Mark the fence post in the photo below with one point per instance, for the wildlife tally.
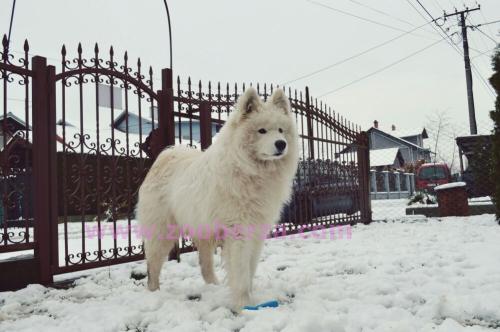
(412, 178)
(386, 184)
(310, 130)
(44, 134)
(166, 118)
(363, 156)
(205, 125)
(398, 183)
(166, 127)
(408, 185)
(373, 176)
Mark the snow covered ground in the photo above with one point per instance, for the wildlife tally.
(413, 274)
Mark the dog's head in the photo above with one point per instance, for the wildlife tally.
(266, 130)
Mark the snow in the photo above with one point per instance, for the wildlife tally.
(383, 157)
(450, 185)
(411, 274)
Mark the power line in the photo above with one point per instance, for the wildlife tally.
(452, 44)
(354, 56)
(481, 37)
(11, 20)
(485, 34)
(438, 5)
(381, 12)
(488, 23)
(383, 68)
(356, 16)
(484, 53)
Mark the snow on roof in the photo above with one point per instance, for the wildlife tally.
(433, 164)
(405, 133)
(450, 185)
(383, 157)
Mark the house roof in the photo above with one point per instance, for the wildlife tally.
(409, 133)
(470, 144)
(132, 117)
(11, 116)
(384, 157)
(398, 139)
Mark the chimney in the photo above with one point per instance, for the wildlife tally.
(375, 124)
(393, 128)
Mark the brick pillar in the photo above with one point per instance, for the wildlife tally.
(452, 201)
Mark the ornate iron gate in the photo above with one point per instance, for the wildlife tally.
(98, 124)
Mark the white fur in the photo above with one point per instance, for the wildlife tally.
(239, 180)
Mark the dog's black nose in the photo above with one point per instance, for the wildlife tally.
(280, 145)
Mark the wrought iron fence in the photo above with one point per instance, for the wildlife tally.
(98, 125)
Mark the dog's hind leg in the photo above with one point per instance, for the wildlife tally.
(206, 250)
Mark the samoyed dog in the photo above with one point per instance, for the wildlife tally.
(239, 184)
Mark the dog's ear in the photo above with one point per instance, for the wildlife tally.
(280, 100)
(249, 102)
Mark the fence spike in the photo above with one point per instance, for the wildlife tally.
(139, 64)
(96, 48)
(79, 49)
(63, 50)
(111, 51)
(5, 42)
(125, 56)
(26, 45)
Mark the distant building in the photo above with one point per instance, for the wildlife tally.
(184, 129)
(409, 144)
(11, 124)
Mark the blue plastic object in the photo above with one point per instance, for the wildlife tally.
(269, 304)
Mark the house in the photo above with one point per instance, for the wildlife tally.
(184, 129)
(382, 159)
(11, 124)
(410, 144)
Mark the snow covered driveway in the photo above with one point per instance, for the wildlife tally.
(408, 275)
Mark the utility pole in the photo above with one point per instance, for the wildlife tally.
(468, 72)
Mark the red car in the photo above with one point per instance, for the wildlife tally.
(432, 175)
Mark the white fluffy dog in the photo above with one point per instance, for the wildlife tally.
(242, 180)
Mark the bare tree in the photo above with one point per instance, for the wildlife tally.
(442, 134)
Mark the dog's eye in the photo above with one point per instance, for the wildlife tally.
(262, 131)
(280, 130)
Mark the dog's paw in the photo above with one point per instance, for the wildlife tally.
(212, 281)
(153, 286)
(240, 301)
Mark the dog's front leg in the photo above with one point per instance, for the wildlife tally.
(254, 259)
(237, 256)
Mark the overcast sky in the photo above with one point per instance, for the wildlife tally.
(276, 41)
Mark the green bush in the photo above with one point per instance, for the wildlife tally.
(495, 116)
